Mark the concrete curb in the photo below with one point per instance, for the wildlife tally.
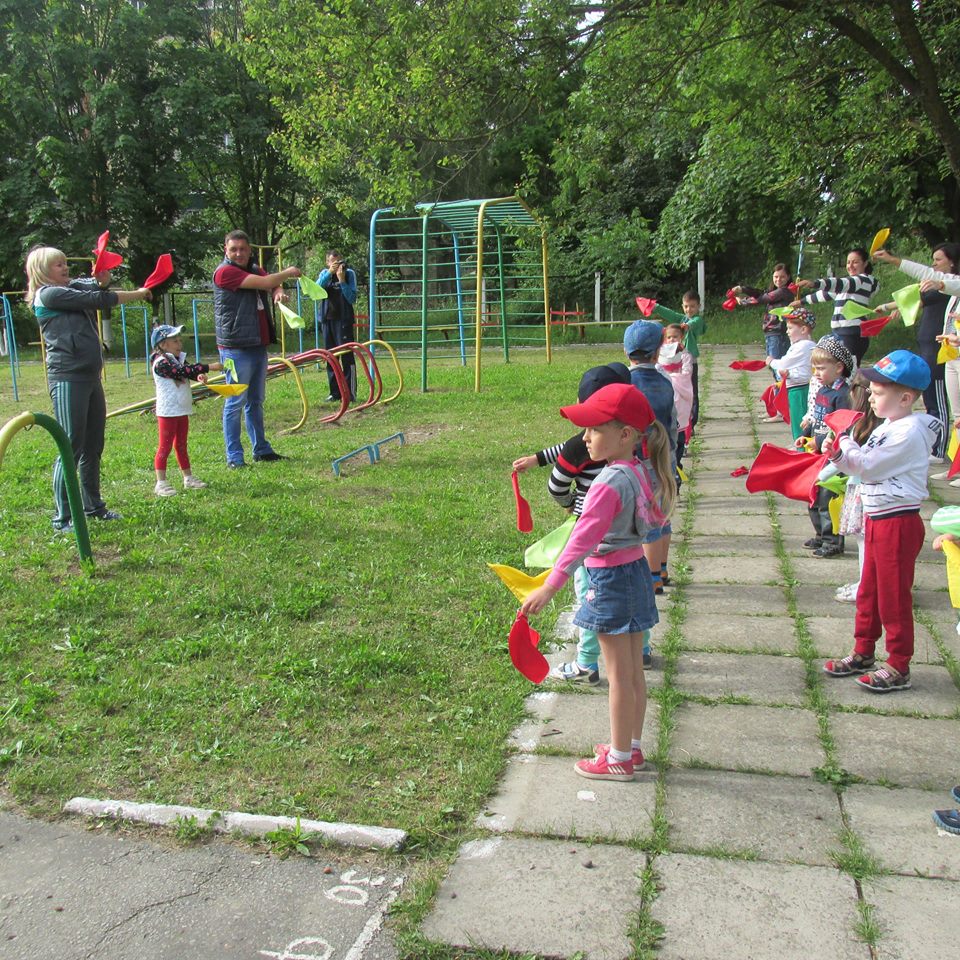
(249, 824)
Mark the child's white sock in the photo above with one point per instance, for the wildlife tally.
(634, 744)
(615, 756)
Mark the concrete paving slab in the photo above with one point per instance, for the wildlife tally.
(721, 486)
(774, 818)
(736, 569)
(71, 893)
(721, 545)
(765, 910)
(760, 678)
(898, 750)
(734, 632)
(544, 795)
(747, 738)
(896, 827)
(793, 520)
(538, 896)
(742, 505)
(732, 523)
(817, 600)
(568, 654)
(833, 572)
(573, 724)
(833, 636)
(933, 694)
(720, 599)
(915, 915)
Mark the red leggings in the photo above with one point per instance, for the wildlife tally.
(173, 433)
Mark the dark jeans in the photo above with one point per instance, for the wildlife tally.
(335, 333)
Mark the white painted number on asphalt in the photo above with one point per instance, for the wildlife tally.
(351, 892)
(312, 942)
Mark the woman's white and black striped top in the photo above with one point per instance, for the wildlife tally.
(859, 289)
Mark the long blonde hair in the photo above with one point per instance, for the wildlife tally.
(658, 451)
(38, 263)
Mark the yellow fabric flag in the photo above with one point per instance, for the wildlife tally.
(835, 506)
(954, 446)
(951, 550)
(520, 584)
(879, 240)
(947, 353)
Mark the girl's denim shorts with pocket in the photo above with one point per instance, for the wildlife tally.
(618, 599)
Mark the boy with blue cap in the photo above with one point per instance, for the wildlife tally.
(892, 466)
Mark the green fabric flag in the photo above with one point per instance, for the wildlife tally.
(947, 520)
(312, 289)
(853, 311)
(294, 320)
(835, 484)
(907, 300)
(544, 552)
(781, 311)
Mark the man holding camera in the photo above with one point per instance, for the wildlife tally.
(337, 318)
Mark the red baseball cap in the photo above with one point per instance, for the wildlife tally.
(617, 401)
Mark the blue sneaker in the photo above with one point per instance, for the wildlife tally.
(955, 793)
(948, 820)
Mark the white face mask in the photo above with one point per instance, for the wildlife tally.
(669, 350)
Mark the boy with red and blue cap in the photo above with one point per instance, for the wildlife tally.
(892, 465)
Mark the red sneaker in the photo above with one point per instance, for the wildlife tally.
(601, 749)
(597, 768)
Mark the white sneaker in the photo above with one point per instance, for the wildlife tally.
(164, 489)
(847, 593)
(192, 483)
(776, 418)
(955, 483)
(941, 475)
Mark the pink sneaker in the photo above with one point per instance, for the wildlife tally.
(601, 749)
(597, 768)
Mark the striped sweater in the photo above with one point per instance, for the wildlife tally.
(859, 289)
(573, 472)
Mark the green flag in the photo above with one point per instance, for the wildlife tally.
(907, 300)
(312, 289)
(544, 552)
(835, 484)
(294, 320)
(853, 311)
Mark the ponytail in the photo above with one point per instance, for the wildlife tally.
(658, 450)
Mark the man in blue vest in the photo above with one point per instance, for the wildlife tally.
(245, 328)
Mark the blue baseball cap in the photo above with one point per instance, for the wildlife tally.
(901, 367)
(163, 332)
(642, 336)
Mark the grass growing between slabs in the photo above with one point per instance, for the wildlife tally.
(282, 642)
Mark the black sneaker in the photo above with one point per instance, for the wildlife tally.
(948, 820)
(108, 515)
(829, 550)
(269, 457)
(814, 543)
(955, 793)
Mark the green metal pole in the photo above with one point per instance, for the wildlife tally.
(424, 290)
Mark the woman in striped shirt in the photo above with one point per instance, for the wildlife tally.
(859, 286)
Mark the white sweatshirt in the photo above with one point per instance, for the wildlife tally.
(795, 363)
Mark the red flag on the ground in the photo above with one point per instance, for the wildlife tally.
(524, 653)
(752, 365)
(105, 260)
(524, 517)
(739, 472)
(791, 473)
(161, 272)
(870, 328)
(645, 305)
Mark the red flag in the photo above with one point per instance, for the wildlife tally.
(730, 303)
(955, 466)
(105, 260)
(781, 400)
(870, 328)
(645, 305)
(161, 272)
(768, 400)
(791, 473)
(841, 420)
(752, 365)
(739, 472)
(524, 517)
(793, 288)
(524, 653)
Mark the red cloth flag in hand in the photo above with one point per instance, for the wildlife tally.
(841, 420)
(161, 272)
(776, 400)
(791, 473)
(752, 365)
(524, 653)
(955, 466)
(105, 260)
(524, 517)
(870, 328)
(731, 302)
(645, 305)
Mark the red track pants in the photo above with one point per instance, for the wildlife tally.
(885, 598)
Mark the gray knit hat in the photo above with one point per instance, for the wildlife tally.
(835, 347)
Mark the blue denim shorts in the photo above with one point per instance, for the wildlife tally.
(618, 599)
(657, 532)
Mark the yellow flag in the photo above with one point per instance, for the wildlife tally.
(879, 240)
(947, 353)
(517, 582)
(951, 550)
(682, 475)
(954, 446)
(835, 506)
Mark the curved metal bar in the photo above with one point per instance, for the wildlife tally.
(26, 420)
(299, 381)
(396, 366)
